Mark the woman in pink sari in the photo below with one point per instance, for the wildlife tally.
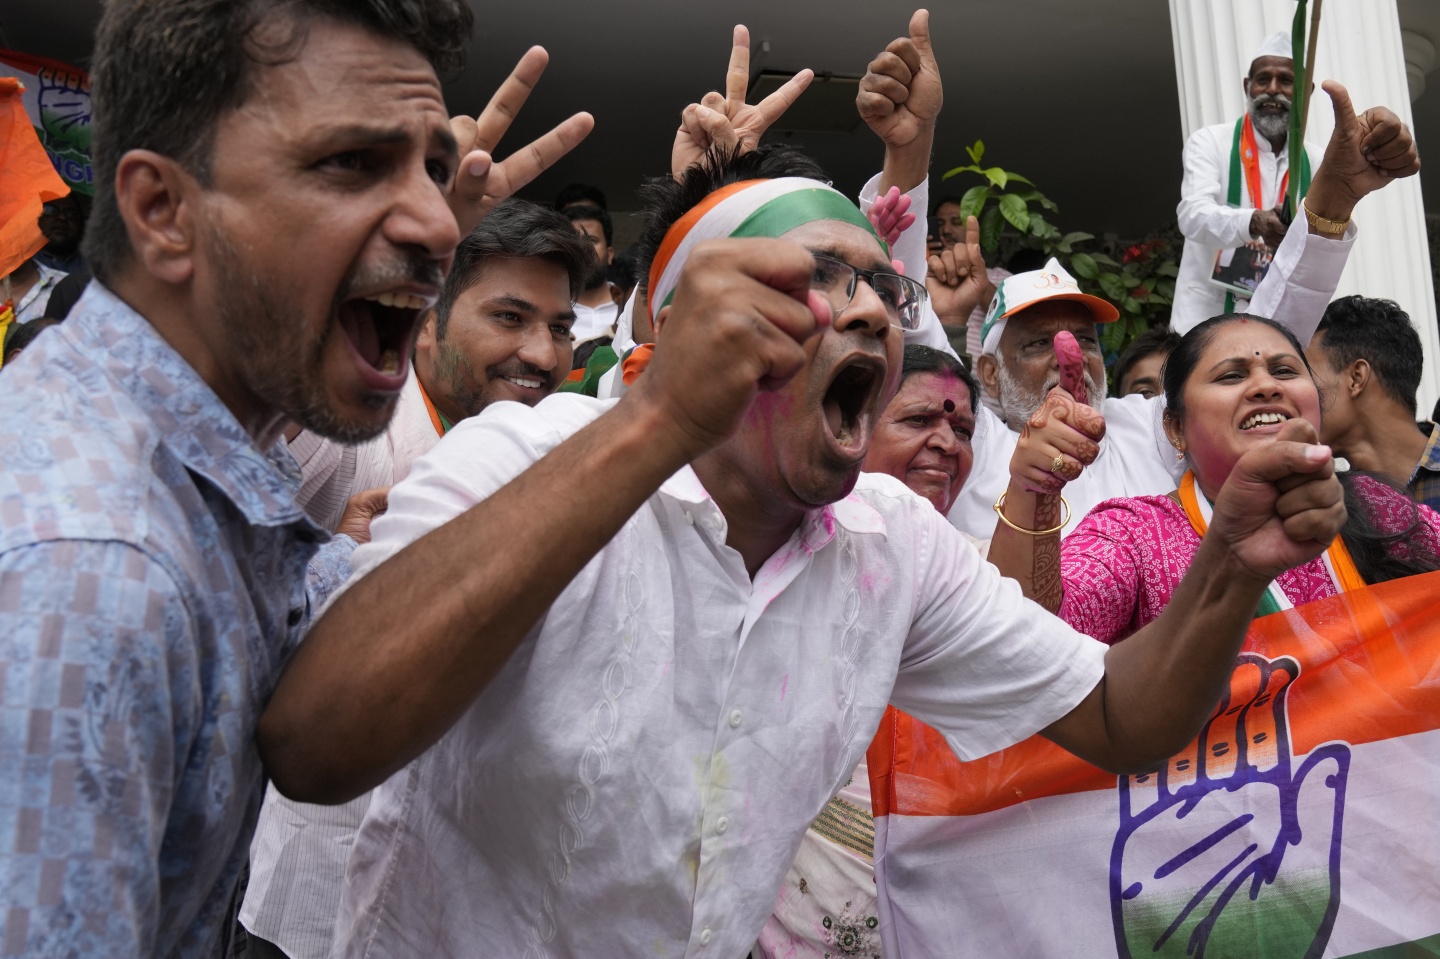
(1233, 383)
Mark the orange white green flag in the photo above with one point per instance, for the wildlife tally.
(1303, 822)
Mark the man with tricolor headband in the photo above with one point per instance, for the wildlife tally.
(1236, 176)
(634, 769)
(1018, 366)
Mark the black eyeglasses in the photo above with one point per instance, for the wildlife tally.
(902, 297)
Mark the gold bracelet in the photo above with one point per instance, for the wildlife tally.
(1323, 225)
(1000, 511)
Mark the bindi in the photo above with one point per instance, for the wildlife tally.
(950, 404)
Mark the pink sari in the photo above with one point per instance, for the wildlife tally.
(1122, 563)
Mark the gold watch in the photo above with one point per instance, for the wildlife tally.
(1334, 228)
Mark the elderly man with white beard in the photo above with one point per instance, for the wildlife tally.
(1018, 366)
(1236, 176)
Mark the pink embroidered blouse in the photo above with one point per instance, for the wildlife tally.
(1122, 563)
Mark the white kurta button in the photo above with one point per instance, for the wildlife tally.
(722, 824)
(735, 719)
(705, 936)
(690, 517)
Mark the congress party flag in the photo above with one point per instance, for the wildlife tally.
(57, 99)
(1303, 822)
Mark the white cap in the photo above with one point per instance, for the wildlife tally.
(1023, 290)
(1275, 45)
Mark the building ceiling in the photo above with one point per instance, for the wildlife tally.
(1080, 98)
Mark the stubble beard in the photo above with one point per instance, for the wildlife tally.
(1018, 402)
(280, 360)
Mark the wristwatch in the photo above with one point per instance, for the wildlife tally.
(1333, 228)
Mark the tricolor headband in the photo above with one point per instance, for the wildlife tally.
(749, 208)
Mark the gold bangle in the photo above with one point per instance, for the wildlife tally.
(1324, 225)
(1000, 511)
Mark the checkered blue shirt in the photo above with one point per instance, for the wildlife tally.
(153, 580)
(1425, 481)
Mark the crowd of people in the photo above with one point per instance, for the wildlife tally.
(311, 645)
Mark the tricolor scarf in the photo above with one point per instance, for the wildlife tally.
(750, 208)
(439, 420)
(1337, 558)
(1245, 158)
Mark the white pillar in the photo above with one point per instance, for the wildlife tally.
(1360, 45)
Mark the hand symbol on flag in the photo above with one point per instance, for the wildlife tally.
(1229, 850)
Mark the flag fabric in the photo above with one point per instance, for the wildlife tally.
(29, 181)
(1304, 821)
(56, 97)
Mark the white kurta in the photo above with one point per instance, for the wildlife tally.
(1135, 457)
(1210, 224)
(637, 778)
(298, 854)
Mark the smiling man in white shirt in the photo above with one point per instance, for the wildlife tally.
(500, 331)
(636, 776)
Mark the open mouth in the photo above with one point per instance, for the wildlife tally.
(1263, 419)
(848, 402)
(380, 328)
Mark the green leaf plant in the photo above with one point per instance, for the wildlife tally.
(1012, 210)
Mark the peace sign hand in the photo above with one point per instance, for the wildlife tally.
(728, 121)
(480, 183)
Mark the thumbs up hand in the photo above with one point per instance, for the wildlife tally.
(1365, 153)
(901, 94)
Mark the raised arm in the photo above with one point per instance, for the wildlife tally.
(900, 99)
(1281, 507)
(403, 652)
(1365, 153)
(1060, 439)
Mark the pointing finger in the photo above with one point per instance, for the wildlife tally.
(737, 77)
(505, 105)
(535, 158)
(774, 106)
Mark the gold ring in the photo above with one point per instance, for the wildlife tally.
(1058, 464)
